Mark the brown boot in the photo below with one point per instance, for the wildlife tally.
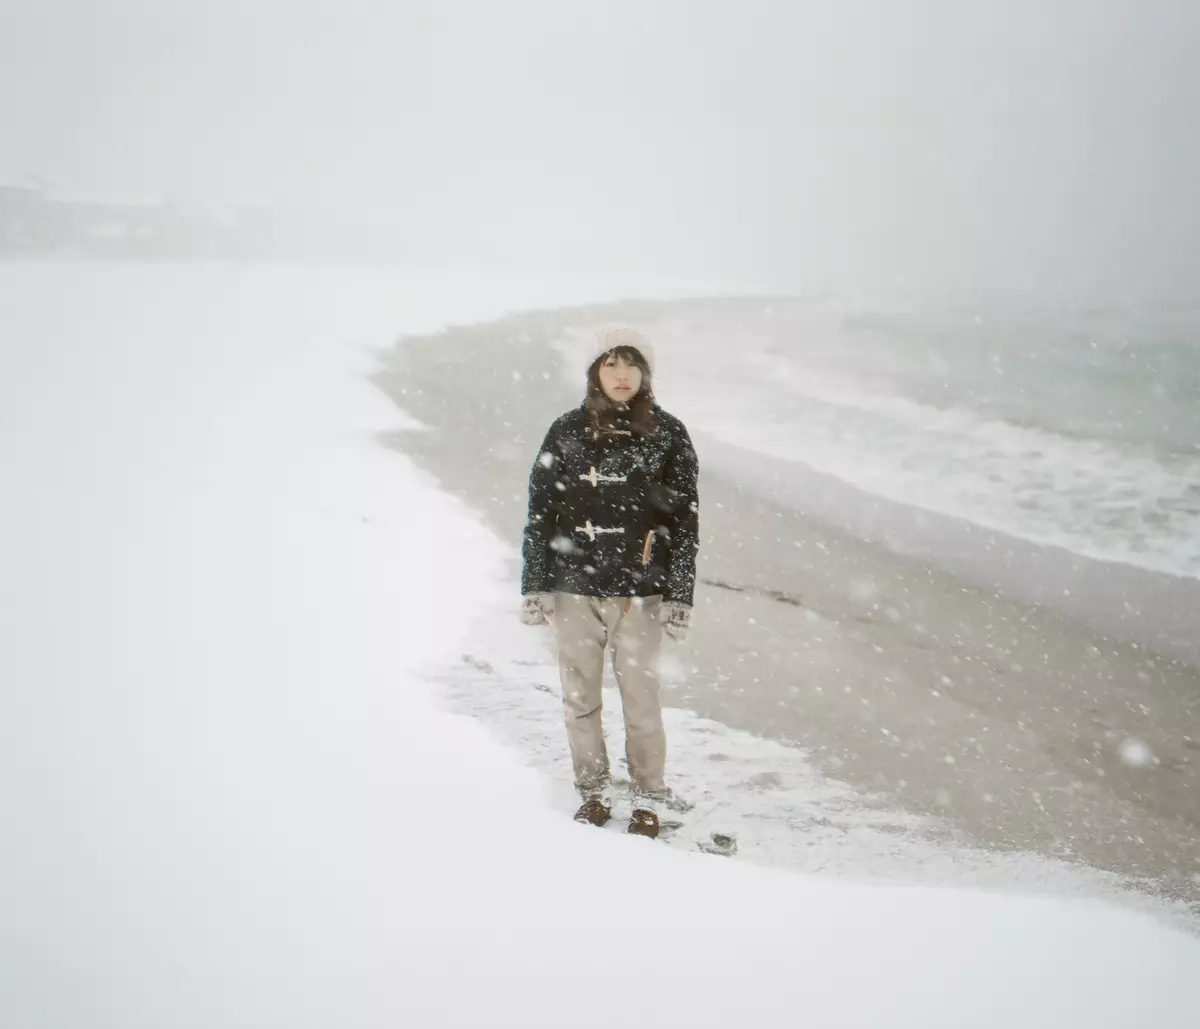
(594, 811)
(644, 823)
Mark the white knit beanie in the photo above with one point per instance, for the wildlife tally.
(612, 336)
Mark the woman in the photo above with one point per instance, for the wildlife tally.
(609, 556)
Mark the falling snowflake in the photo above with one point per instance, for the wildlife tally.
(863, 589)
(1135, 753)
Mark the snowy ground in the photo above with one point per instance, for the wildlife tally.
(233, 796)
(999, 719)
(768, 796)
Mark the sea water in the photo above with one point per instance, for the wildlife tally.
(1066, 425)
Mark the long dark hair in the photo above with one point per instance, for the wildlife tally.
(604, 412)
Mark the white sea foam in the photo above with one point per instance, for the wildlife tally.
(808, 394)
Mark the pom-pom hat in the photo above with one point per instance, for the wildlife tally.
(613, 336)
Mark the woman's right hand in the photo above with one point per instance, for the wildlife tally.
(537, 608)
(677, 621)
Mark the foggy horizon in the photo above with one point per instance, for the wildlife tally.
(942, 147)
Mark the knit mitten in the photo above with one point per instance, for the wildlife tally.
(537, 608)
(677, 621)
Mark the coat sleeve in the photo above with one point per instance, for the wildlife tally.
(682, 480)
(537, 558)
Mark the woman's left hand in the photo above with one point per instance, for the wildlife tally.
(677, 621)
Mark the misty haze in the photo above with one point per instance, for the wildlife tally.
(556, 514)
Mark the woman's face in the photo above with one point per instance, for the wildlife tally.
(619, 379)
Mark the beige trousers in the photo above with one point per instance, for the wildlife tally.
(584, 627)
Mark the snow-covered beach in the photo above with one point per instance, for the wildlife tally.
(242, 786)
(903, 650)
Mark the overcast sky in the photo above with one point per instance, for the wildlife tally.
(842, 143)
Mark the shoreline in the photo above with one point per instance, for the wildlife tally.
(1012, 719)
(1125, 602)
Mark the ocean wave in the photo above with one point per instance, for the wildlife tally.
(1130, 502)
